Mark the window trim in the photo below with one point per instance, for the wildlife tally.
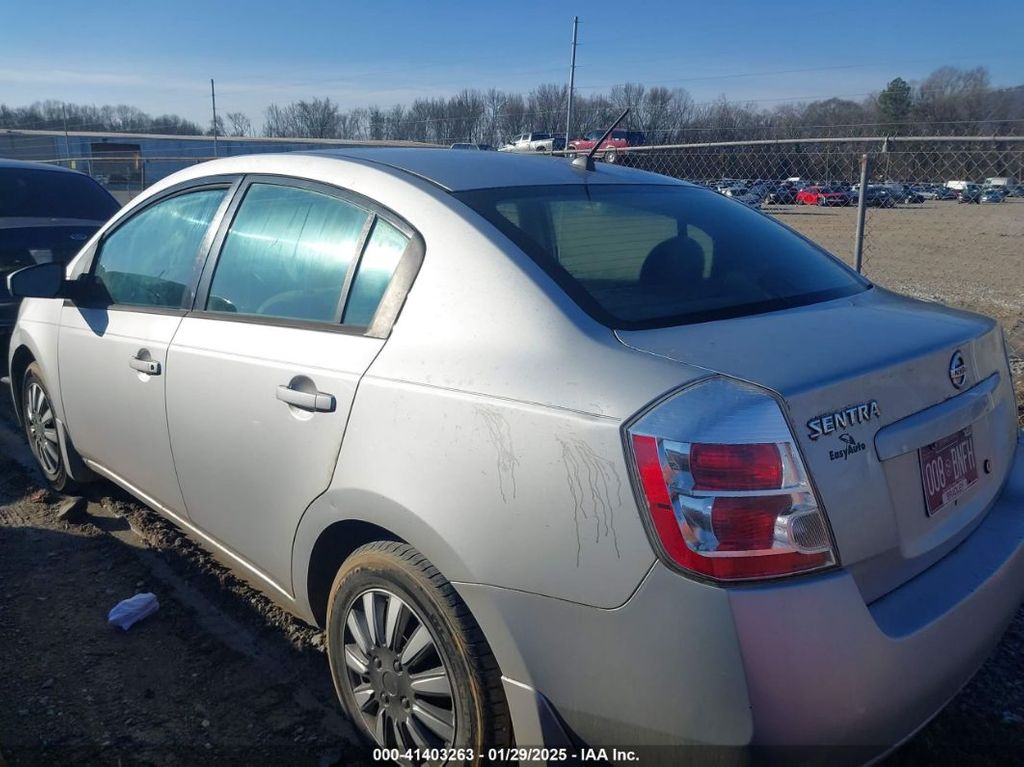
(86, 275)
(394, 295)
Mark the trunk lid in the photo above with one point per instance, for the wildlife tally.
(866, 382)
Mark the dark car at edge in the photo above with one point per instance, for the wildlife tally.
(46, 214)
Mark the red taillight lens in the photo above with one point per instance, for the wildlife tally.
(652, 475)
(659, 502)
(747, 523)
(736, 467)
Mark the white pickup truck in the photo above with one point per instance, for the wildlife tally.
(534, 142)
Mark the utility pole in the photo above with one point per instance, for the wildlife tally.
(213, 100)
(572, 80)
(67, 141)
(858, 237)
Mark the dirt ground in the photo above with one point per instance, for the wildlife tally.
(965, 255)
(219, 675)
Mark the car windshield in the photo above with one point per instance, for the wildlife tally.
(643, 256)
(29, 193)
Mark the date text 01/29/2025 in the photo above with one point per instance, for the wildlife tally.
(515, 754)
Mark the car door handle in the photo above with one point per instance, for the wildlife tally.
(149, 367)
(316, 402)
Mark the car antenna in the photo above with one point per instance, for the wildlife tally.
(587, 162)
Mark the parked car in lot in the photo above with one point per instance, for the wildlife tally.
(472, 147)
(46, 213)
(744, 195)
(822, 195)
(505, 427)
(781, 195)
(875, 196)
(909, 196)
(534, 142)
(610, 148)
(936, 192)
(993, 194)
(970, 193)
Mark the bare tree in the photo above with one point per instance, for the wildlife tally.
(240, 124)
(317, 118)
(949, 100)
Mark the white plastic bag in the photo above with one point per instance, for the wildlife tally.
(128, 612)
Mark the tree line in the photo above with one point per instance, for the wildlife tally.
(949, 101)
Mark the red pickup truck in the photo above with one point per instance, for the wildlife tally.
(608, 151)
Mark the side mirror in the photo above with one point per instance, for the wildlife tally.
(38, 281)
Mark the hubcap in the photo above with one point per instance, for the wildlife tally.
(396, 674)
(41, 428)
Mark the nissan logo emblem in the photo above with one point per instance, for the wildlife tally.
(957, 370)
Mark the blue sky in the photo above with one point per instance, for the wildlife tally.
(159, 56)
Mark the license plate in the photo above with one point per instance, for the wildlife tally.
(948, 469)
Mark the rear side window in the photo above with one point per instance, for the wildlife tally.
(29, 193)
(287, 254)
(150, 260)
(643, 256)
(383, 251)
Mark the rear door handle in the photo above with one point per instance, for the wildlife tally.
(149, 367)
(318, 402)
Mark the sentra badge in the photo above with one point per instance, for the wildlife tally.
(840, 420)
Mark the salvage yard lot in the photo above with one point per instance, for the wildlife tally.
(970, 256)
(220, 675)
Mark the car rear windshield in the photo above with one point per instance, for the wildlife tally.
(644, 256)
(28, 193)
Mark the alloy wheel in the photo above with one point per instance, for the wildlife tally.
(41, 426)
(396, 674)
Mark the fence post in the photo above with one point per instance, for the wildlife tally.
(858, 239)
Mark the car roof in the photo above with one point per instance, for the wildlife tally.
(463, 171)
(26, 165)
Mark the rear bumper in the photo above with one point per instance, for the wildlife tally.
(806, 663)
(824, 668)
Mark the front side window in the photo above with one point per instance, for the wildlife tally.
(642, 256)
(287, 254)
(150, 259)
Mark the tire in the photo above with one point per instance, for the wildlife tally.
(423, 675)
(611, 156)
(40, 425)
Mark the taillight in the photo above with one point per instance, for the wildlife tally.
(736, 467)
(724, 487)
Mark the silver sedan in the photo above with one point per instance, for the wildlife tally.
(555, 455)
